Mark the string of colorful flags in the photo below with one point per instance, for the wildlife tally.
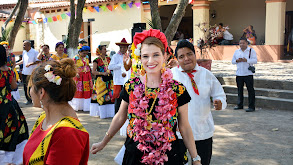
(90, 8)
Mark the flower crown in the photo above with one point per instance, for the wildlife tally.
(51, 76)
(140, 37)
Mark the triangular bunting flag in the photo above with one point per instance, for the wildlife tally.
(69, 14)
(84, 9)
(59, 18)
(137, 5)
(91, 8)
(109, 7)
(63, 16)
(54, 18)
(34, 22)
(123, 5)
(97, 8)
(104, 8)
(50, 19)
(45, 20)
(130, 4)
(115, 6)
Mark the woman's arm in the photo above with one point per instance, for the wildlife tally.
(13, 63)
(186, 131)
(117, 122)
(13, 84)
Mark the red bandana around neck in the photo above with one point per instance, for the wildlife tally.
(194, 86)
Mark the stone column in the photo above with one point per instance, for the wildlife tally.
(275, 22)
(200, 15)
(146, 14)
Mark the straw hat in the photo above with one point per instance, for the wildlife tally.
(122, 42)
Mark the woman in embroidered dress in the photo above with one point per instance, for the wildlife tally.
(11, 64)
(59, 48)
(44, 54)
(57, 137)
(249, 33)
(153, 104)
(83, 80)
(101, 104)
(13, 126)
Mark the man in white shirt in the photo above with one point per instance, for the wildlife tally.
(116, 65)
(243, 58)
(29, 61)
(201, 85)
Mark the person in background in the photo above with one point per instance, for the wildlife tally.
(243, 58)
(13, 126)
(83, 80)
(116, 65)
(201, 85)
(29, 56)
(249, 34)
(44, 54)
(59, 48)
(11, 64)
(101, 103)
(57, 137)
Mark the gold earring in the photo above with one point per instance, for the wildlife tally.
(142, 71)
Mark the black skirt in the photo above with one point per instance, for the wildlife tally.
(13, 126)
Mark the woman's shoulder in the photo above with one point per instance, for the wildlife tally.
(132, 83)
(178, 87)
(65, 55)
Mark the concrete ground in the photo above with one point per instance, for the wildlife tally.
(264, 137)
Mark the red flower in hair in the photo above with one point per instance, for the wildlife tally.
(140, 37)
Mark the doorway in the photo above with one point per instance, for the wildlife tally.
(288, 51)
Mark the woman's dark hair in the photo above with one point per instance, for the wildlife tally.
(58, 44)
(221, 24)
(46, 45)
(3, 57)
(183, 44)
(58, 93)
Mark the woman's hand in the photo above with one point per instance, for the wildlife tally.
(96, 147)
(196, 163)
(77, 75)
(172, 63)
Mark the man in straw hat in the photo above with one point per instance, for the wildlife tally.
(116, 65)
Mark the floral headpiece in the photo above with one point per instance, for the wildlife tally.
(51, 76)
(5, 43)
(140, 37)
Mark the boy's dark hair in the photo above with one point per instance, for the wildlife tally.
(221, 24)
(243, 38)
(183, 44)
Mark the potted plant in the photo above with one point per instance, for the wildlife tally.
(204, 44)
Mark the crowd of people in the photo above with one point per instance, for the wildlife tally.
(159, 99)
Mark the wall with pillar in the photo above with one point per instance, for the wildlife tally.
(275, 22)
(200, 15)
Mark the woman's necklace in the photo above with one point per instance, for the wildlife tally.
(149, 116)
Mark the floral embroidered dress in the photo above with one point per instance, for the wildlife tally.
(56, 57)
(84, 83)
(13, 126)
(45, 58)
(103, 85)
(153, 133)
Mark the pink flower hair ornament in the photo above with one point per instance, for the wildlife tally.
(51, 76)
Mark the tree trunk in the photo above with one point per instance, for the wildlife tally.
(155, 14)
(175, 20)
(10, 16)
(17, 22)
(74, 26)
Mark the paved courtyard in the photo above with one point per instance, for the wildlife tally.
(260, 138)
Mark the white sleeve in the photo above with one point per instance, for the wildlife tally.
(217, 91)
(253, 57)
(114, 64)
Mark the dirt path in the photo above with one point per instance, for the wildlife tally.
(240, 138)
